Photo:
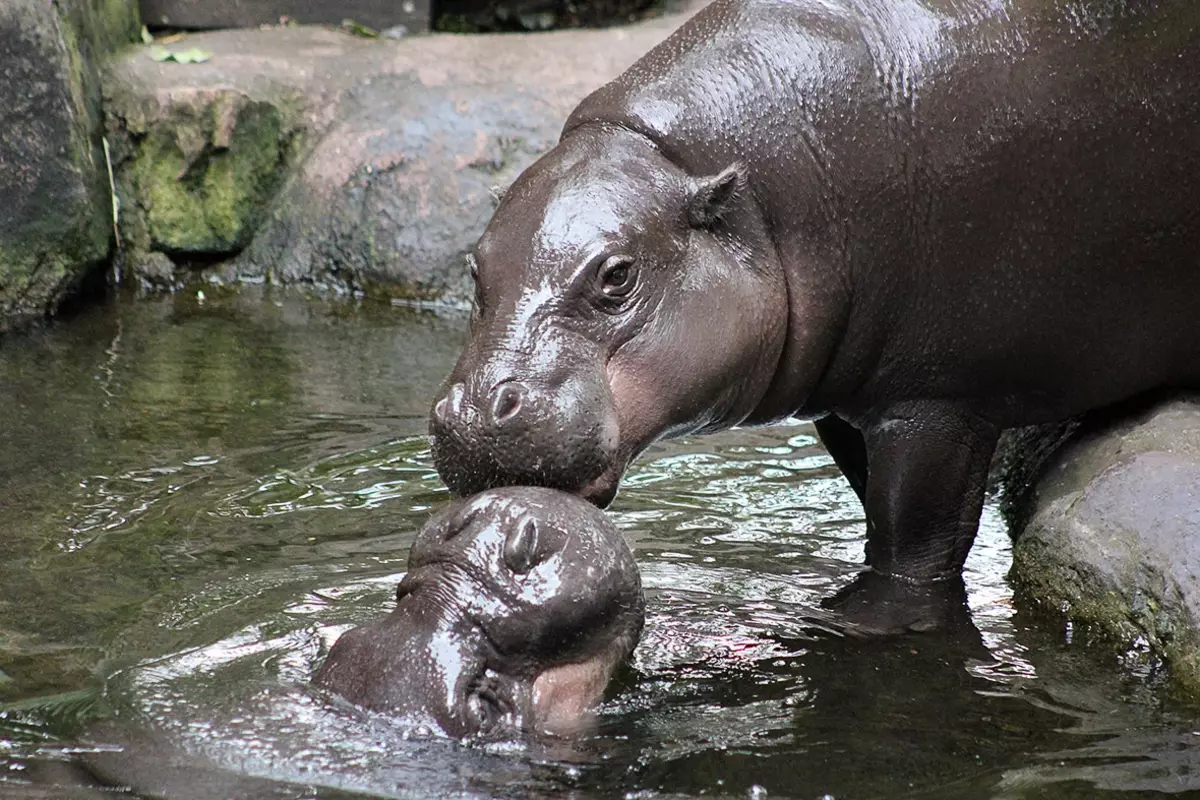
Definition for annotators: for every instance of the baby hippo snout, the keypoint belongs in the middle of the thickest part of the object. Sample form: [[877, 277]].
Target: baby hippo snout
[[518, 605]]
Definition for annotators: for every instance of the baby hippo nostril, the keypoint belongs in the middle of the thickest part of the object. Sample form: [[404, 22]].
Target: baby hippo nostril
[[520, 549], [507, 399]]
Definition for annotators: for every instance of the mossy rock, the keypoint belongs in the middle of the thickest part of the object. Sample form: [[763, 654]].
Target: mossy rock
[[1109, 541], [55, 205], [205, 174]]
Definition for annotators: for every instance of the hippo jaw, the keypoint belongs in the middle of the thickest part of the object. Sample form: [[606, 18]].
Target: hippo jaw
[[619, 299]]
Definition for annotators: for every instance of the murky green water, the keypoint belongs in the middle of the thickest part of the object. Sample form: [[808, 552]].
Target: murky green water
[[197, 498]]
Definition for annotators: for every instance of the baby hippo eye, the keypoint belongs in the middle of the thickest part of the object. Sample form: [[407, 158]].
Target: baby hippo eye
[[484, 712], [617, 276], [486, 707]]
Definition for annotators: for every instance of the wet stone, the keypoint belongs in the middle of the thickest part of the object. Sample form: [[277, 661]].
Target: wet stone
[[1111, 542], [55, 206]]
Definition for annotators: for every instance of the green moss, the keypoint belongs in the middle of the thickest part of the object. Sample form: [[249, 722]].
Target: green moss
[[1043, 579], [204, 182], [455, 23], [115, 23], [62, 230]]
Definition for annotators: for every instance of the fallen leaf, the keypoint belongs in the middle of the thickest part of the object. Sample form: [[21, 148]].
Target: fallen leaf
[[191, 56], [358, 29]]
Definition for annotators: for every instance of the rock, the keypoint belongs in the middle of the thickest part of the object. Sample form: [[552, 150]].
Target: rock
[[366, 166], [55, 205], [391, 199], [193, 14], [534, 15], [206, 169], [1112, 540], [155, 272]]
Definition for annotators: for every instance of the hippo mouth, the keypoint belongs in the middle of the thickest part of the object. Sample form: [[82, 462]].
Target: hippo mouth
[[602, 490]]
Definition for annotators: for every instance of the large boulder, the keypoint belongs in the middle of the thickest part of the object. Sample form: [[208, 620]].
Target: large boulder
[[1109, 530], [56, 223], [314, 156]]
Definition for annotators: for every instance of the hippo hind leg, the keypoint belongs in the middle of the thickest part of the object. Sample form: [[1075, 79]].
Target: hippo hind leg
[[845, 443]]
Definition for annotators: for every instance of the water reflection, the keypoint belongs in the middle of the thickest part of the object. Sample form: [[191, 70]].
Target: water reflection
[[198, 500]]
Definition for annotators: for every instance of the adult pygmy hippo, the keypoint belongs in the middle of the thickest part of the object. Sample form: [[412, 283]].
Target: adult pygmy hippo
[[517, 607], [917, 222]]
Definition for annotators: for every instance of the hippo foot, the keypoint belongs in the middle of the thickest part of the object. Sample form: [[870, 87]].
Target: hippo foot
[[875, 604]]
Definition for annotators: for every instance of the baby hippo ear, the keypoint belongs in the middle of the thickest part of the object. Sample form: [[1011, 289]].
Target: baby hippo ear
[[712, 196]]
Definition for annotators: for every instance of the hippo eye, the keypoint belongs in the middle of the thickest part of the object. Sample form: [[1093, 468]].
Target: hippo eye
[[486, 706], [617, 276]]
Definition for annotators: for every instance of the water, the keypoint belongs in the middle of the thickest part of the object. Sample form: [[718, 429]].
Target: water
[[196, 498]]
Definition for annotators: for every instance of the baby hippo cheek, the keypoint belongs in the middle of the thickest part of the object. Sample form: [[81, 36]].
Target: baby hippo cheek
[[564, 697]]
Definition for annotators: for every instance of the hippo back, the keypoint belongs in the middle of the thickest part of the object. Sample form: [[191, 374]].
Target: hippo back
[[959, 165]]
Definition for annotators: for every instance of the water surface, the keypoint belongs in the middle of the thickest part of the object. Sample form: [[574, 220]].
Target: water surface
[[196, 498]]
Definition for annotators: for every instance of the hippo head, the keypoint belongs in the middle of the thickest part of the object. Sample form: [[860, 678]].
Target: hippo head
[[619, 299], [518, 605]]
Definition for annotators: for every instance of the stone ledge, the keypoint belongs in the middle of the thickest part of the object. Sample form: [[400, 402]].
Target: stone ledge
[[375, 170]]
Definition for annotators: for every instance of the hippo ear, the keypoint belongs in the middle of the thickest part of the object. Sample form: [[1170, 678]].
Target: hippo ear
[[520, 550], [713, 196]]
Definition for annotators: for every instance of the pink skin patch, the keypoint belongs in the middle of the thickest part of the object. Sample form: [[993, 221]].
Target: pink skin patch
[[564, 696]]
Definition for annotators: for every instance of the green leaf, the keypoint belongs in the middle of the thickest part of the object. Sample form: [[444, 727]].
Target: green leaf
[[147, 38], [191, 56], [358, 29]]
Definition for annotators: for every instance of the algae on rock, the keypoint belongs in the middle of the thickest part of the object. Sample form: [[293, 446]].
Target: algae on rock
[[1110, 536], [55, 205], [205, 173]]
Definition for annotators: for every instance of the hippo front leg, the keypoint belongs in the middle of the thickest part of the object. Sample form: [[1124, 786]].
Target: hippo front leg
[[926, 472]]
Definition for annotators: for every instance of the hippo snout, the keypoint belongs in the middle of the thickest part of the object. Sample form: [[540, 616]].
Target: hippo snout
[[502, 405], [515, 433]]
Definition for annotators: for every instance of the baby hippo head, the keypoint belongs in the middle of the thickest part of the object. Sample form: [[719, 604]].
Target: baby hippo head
[[518, 605]]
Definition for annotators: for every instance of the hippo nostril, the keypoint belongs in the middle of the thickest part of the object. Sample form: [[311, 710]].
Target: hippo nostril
[[520, 549], [449, 405], [507, 399]]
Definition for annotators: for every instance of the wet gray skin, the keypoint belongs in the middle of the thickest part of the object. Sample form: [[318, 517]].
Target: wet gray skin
[[518, 605], [918, 222]]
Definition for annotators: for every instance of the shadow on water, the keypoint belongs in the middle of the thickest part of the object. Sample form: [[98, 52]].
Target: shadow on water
[[198, 498]]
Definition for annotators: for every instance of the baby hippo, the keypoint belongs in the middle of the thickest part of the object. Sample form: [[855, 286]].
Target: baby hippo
[[518, 605]]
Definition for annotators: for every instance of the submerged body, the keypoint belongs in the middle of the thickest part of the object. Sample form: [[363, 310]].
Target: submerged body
[[517, 607], [918, 222]]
